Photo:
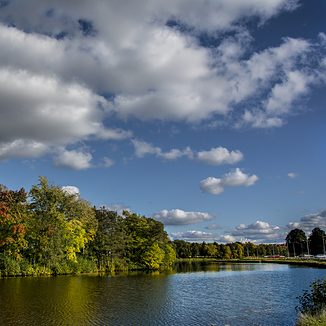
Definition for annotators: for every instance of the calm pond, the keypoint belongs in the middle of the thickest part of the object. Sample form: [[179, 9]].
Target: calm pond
[[190, 294]]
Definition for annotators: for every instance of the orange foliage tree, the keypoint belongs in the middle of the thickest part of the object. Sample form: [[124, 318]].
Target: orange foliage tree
[[13, 222]]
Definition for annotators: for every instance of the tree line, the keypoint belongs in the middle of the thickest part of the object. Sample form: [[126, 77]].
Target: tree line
[[236, 250], [49, 230], [298, 243]]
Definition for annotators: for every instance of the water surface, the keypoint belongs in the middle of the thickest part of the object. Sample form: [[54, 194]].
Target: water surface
[[191, 294]]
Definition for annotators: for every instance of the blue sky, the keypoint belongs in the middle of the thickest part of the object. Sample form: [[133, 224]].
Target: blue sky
[[206, 115]]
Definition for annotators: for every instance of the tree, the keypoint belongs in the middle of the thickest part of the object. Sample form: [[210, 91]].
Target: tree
[[262, 250], [147, 240], [237, 250], [170, 255], [227, 253], [63, 222], [316, 243], [182, 248], [14, 221], [211, 250], [110, 240], [194, 248], [295, 240]]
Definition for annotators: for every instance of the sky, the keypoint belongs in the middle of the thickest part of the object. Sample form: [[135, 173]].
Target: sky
[[208, 116]]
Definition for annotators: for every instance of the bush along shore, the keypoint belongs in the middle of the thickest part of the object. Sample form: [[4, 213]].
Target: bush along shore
[[312, 304]]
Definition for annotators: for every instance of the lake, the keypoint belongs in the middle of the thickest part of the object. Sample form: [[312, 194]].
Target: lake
[[190, 294]]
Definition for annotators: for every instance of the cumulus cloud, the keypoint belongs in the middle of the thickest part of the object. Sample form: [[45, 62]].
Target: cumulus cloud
[[215, 156], [218, 156], [22, 148], [258, 231], [310, 221], [142, 148], [67, 66], [74, 160], [213, 227], [235, 178], [42, 113], [71, 190], [293, 175], [199, 236], [177, 217]]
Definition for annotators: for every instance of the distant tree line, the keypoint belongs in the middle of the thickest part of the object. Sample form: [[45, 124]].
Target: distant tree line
[[296, 243], [236, 250], [49, 230]]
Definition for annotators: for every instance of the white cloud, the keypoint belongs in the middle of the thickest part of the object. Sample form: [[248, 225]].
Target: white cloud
[[235, 178], [117, 208], [258, 231], [259, 119], [22, 148], [215, 156], [152, 70], [74, 160], [218, 156], [293, 175], [107, 162], [261, 71], [51, 86], [310, 221], [213, 227], [42, 113], [116, 134], [142, 148], [199, 236], [71, 190], [179, 217]]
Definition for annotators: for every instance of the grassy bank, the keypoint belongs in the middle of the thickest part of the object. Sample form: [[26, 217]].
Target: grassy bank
[[308, 320], [316, 263]]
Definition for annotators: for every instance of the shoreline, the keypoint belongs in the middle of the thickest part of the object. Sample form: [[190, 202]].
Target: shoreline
[[303, 263], [289, 261]]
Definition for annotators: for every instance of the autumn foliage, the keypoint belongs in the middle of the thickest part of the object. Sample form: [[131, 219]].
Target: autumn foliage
[[49, 230]]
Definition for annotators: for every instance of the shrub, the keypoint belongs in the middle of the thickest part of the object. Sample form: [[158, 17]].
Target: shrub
[[313, 301], [86, 266], [9, 266], [26, 268]]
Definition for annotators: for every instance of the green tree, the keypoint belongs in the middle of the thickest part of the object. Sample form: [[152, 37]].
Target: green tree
[[237, 250], [194, 248], [110, 240], [262, 252], [227, 254], [147, 240], [295, 239], [316, 243], [169, 254], [219, 250], [63, 222], [211, 250], [182, 248]]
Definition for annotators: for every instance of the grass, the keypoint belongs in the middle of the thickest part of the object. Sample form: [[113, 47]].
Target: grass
[[311, 320]]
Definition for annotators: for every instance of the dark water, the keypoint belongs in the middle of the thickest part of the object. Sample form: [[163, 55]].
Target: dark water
[[192, 294]]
